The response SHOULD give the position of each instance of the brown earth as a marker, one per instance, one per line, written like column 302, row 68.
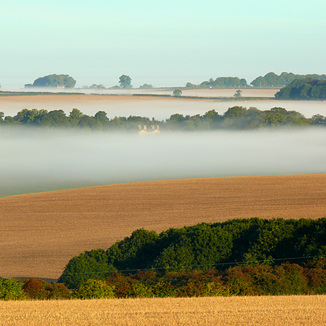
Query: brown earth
column 120, row 105
column 41, row 232
column 260, row 310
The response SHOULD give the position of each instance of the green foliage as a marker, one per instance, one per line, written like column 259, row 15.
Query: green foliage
column 221, row 82
column 273, row 80
column 237, row 93
column 54, row 81
column 146, row 86
column 125, row 81
column 283, row 279
column 204, row 246
column 236, row 117
column 89, row 265
column 303, row 89
column 11, row 290
column 133, row 252
column 177, row 92
column 201, row 246
column 94, row 289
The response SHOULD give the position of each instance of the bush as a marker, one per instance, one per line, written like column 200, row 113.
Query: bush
column 177, row 92
column 11, row 290
column 94, row 289
column 42, row 290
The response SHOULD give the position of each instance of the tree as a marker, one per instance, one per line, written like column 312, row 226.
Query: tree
column 238, row 93
column 54, row 81
column 275, row 119
column 146, row 86
column 75, row 116
column 303, row 89
column 101, row 116
column 235, row 112
column 273, row 80
column 125, row 81
column 94, row 289
column 88, row 265
column 177, row 92
column 56, row 118
column 11, row 290
column 87, row 122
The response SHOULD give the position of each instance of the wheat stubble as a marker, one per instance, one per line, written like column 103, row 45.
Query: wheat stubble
column 268, row 310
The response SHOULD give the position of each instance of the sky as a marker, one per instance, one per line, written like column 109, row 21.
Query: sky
column 163, row 43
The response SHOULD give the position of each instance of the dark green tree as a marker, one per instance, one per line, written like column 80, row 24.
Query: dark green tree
column 146, row 86
column 177, row 92
column 238, row 93
column 75, row 116
column 235, row 112
column 88, row 265
column 303, row 89
column 55, row 81
column 102, row 117
column 125, row 81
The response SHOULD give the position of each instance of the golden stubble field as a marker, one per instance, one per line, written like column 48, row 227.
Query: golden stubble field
column 41, row 232
column 267, row 310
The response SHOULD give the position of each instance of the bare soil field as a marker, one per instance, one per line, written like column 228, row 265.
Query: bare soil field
column 246, row 92
column 41, row 232
column 268, row 310
column 151, row 106
column 114, row 105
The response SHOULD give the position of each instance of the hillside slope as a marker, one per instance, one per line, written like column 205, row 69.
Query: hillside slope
column 41, row 232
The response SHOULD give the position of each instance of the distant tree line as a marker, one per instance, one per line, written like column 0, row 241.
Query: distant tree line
column 273, row 80
column 236, row 118
column 303, row 89
column 203, row 247
column 269, row 80
column 66, row 81
column 221, row 82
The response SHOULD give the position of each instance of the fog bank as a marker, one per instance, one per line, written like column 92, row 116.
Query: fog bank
column 43, row 160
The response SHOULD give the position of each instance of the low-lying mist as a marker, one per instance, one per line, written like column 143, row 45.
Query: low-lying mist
column 41, row 160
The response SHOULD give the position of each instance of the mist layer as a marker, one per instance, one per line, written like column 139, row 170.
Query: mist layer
column 39, row 160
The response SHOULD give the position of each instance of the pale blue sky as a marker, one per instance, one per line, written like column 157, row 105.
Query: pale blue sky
column 164, row 43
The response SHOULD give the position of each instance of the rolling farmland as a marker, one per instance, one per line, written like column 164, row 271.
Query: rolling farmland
column 41, row 232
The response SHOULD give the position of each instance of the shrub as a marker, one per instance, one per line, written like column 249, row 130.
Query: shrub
column 35, row 289
column 292, row 279
column 94, row 289
column 238, row 281
column 11, row 290
column 42, row 290
column 177, row 92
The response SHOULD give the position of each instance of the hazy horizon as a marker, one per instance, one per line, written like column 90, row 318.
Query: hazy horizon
column 164, row 44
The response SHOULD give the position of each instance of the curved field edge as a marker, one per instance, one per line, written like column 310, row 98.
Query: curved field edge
column 264, row 310
column 41, row 232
